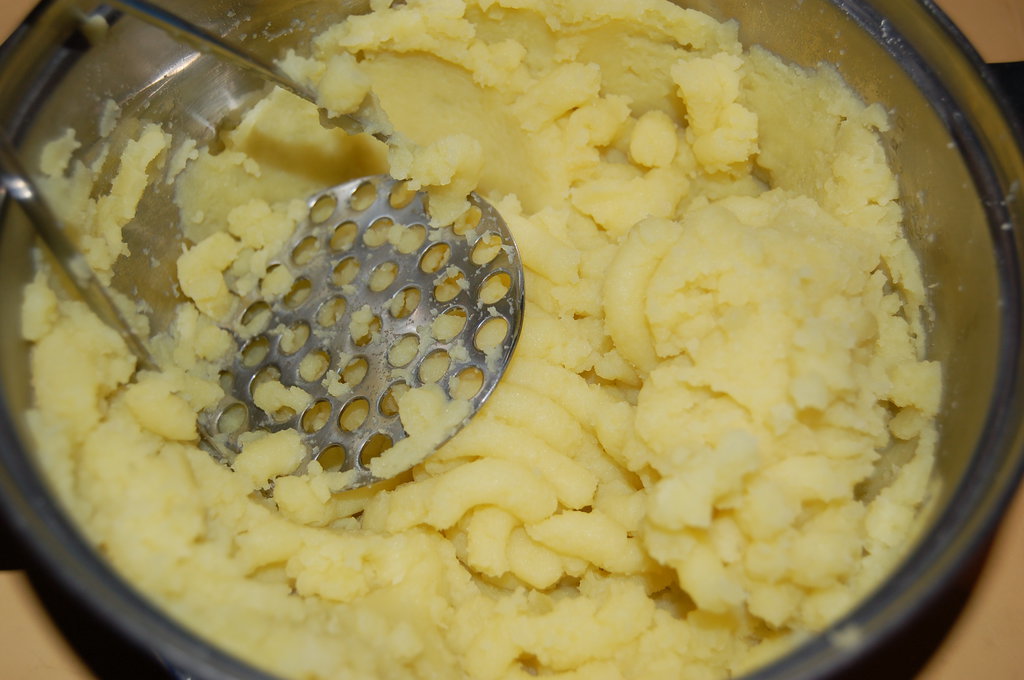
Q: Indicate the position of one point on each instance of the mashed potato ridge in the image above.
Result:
(722, 341)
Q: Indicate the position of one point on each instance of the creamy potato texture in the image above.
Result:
(679, 476)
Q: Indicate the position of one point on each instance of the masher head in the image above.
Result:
(378, 302)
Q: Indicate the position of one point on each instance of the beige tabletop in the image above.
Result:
(986, 640)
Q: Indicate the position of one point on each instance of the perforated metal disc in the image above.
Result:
(378, 302)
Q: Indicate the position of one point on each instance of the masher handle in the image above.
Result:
(17, 184)
(204, 41)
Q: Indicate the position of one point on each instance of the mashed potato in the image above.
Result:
(678, 476)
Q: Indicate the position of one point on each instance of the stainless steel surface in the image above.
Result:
(374, 251)
(180, 28)
(957, 156)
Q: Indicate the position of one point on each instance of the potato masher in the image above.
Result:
(381, 302)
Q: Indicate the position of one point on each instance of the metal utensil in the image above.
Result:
(381, 302)
(202, 40)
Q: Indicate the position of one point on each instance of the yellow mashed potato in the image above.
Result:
(678, 475)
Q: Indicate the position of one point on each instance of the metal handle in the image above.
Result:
(202, 40)
(15, 181)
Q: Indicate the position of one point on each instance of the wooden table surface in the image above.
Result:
(986, 641)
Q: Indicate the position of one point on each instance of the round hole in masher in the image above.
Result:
(294, 337)
(382, 276)
(486, 249)
(255, 351)
(300, 292)
(331, 312)
(434, 367)
(314, 365)
(353, 415)
(449, 324)
(374, 447)
(388, 404)
(401, 195)
(435, 258)
(411, 238)
(332, 457)
(466, 384)
(316, 417)
(255, 319)
(355, 371)
(363, 197)
(494, 288)
(404, 302)
(323, 208)
(379, 232)
(491, 334)
(343, 236)
(233, 419)
(305, 251)
(404, 350)
(345, 272)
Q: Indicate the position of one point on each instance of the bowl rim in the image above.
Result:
(966, 524)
